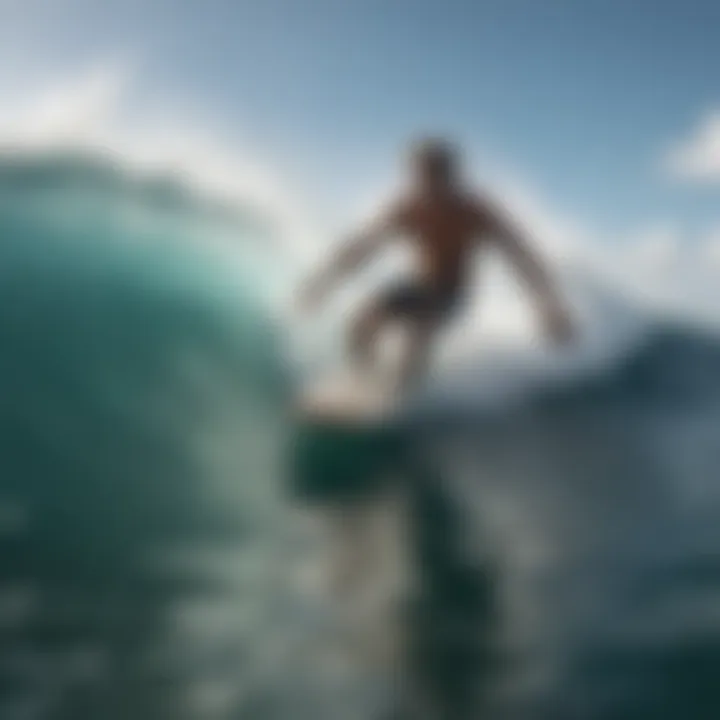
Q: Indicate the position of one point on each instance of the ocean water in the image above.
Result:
(569, 541)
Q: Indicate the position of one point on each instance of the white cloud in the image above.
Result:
(697, 157)
(65, 112)
(653, 250)
(710, 248)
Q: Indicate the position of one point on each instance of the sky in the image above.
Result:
(605, 107)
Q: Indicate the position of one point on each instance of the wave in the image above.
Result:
(667, 363)
(135, 335)
(674, 363)
(144, 376)
(29, 174)
(623, 351)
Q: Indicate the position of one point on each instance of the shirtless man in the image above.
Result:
(446, 224)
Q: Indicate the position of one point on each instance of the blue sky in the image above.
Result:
(585, 98)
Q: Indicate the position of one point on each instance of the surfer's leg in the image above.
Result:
(426, 315)
(363, 335)
(410, 304)
(415, 356)
(405, 301)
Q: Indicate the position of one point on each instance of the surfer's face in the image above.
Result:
(433, 165)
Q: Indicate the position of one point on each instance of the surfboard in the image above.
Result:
(345, 437)
(349, 398)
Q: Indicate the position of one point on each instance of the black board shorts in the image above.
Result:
(415, 300)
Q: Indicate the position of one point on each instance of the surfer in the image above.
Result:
(446, 224)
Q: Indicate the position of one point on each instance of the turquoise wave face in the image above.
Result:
(134, 362)
(143, 389)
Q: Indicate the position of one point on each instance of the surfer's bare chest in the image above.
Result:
(443, 235)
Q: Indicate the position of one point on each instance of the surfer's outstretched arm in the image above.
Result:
(532, 270)
(353, 253)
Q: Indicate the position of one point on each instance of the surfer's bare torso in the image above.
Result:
(445, 225)
(444, 232)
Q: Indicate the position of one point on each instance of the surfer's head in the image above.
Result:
(434, 163)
